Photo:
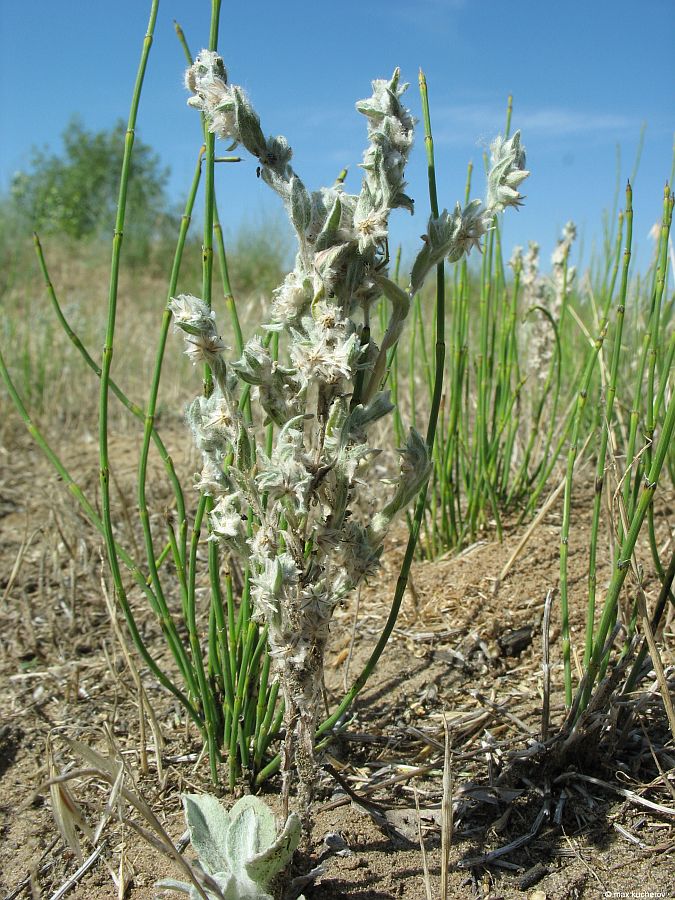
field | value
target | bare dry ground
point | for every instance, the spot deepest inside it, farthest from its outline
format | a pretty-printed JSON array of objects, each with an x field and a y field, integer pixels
[{"x": 582, "y": 824}]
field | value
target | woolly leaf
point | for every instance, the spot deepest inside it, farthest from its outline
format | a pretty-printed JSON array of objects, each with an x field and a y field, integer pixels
[
  {"x": 252, "y": 831},
  {"x": 263, "y": 867},
  {"x": 170, "y": 884},
  {"x": 361, "y": 415},
  {"x": 248, "y": 123},
  {"x": 329, "y": 231},
  {"x": 399, "y": 299},
  {"x": 208, "y": 822},
  {"x": 301, "y": 205}
]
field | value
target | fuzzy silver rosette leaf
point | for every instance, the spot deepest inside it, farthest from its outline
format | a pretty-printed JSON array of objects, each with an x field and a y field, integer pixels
[{"x": 240, "y": 853}]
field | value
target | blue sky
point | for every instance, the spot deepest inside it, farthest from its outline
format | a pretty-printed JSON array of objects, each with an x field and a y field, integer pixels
[{"x": 585, "y": 77}]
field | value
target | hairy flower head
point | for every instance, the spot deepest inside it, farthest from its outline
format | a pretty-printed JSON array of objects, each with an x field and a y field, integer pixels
[
  {"x": 323, "y": 354},
  {"x": 507, "y": 171},
  {"x": 206, "y": 79},
  {"x": 192, "y": 315},
  {"x": 292, "y": 298}
]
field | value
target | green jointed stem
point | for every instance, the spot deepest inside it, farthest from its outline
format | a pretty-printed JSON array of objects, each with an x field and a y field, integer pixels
[
  {"x": 112, "y": 301},
  {"x": 187, "y": 668},
  {"x": 649, "y": 353},
  {"x": 265, "y": 734},
  {"x": 622, "y": 563},
  {"x": 111, "y": 547},
  {"x": 218, "y": 231},
  {"x": 154, "y": 387},
  {"x": 509, "y": 114},
  {"x": 609, "y": 408},
  {"x": 667, "y": 366},
  {"x": 648, "y": 339},
  {"x": 133, "y": 408},
  {"x": 219, "y": 650},
  {"x": 565, "y": 529},
  {"x": 263, "y": 683},
  {"x": 656, "y": 315},
  {"x": 203, "y": 691},
  {"x": 653, "y": 355}
]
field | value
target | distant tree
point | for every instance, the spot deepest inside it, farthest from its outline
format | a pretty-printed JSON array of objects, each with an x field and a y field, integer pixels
[{"x": 75, "y": 193}]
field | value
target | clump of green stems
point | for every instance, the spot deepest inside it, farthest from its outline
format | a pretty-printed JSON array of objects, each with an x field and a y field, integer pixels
[
  {"x": 225, "y": 681},
  {"x": 652, "y": 408},
  {"x": 605, "y": 394},
  {"x": 474, "y": 472},
  {"x": 240, "y": 717},
  {"x": 506, "y": 418}
]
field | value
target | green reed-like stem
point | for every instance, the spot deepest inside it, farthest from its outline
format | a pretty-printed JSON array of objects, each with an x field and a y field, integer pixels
[
  {"x": 202, "y": 691},
  {"x": 567, "y": 502},
  {"x": 151, "y": 408},
  {"x": 228, "y": 296},
  {"x": 622, "y": 563},
  {"x": 265, "y": 735},
  {"x": 133, "y": 408},
  {"x": 649, "y": 337},
  {"x": 609, "y": 407},
  {"x": 654, "y": 352},
  {"x": 106, "y": 363}
]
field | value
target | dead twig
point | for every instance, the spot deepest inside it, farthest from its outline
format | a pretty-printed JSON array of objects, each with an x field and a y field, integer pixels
[
  {"x": 494, "y": 855},
  {"x": 447, "y": 821},
  {"x": 623, "y": 792},
  {"x": 81, "y": 872}
]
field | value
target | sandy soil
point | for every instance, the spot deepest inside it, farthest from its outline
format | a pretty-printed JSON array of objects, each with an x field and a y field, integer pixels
[{"x": 460, "y": 650}]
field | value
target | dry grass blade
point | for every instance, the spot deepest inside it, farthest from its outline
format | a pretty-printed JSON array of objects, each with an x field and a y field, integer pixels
[
  {"x": 111, "y": 805},
  {"x": 447, "y": 822},
  {"x": 65, "y": 809},
  {"x": 16, "y": 568},
  {"x": 143, "y": 704},
  {"x": 664, "y": 777},
  {"x": 494, "y": 855},
  {"x": 656, "y": 661},
  {"x": 423, "y": 849},
  {"x": 104, "y": 768}
]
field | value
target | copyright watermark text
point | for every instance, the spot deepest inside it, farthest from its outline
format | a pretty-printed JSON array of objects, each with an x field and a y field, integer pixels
[{"x": 635, "y": 895}]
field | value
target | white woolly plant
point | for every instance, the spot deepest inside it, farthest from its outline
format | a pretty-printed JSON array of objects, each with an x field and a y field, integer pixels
[
  {"x": 549, "y": 293},
  {"x": 240, "y": 853},
  {"x": 290, "y": 515}
]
